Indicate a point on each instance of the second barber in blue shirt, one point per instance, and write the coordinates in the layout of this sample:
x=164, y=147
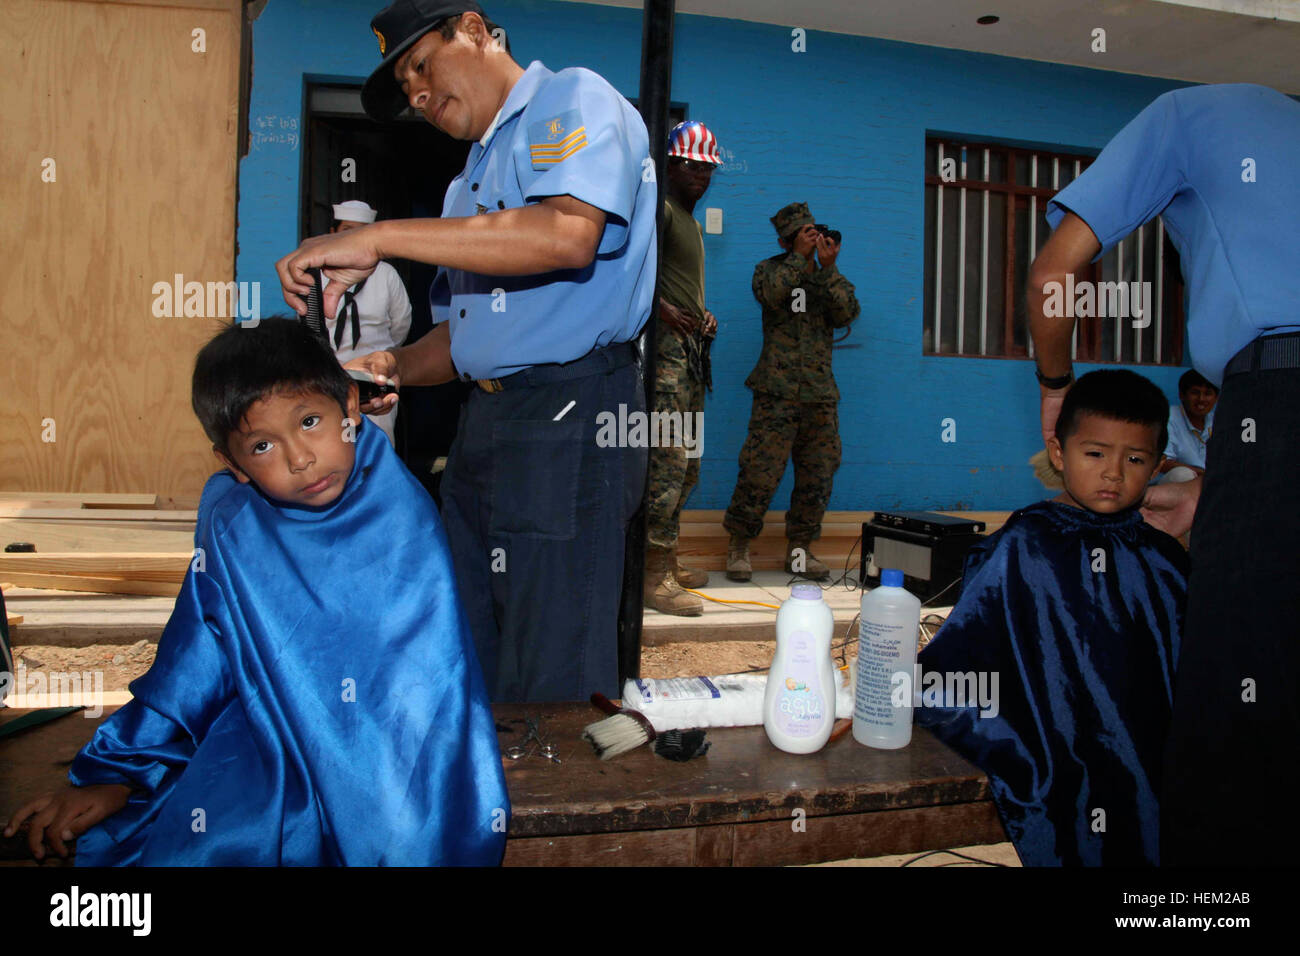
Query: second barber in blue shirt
x=547, y=256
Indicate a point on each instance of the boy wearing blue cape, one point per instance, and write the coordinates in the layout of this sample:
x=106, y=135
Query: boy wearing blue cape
x=1076, y=604
x=316, y=699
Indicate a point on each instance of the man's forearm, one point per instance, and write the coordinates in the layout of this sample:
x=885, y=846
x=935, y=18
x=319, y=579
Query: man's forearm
x=1052, y=336
x=1068, y=251
x=529, y=240
x=427, y=361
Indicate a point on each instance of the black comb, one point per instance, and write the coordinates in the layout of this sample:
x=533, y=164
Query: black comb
x=314, y=320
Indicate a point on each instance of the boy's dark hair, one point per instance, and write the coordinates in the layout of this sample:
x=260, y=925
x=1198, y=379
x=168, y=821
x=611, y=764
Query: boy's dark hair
x=1117, y=394
x=1192, y=378
x=244, y=363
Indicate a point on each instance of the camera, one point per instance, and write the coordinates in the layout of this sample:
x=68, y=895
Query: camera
x=832, y=234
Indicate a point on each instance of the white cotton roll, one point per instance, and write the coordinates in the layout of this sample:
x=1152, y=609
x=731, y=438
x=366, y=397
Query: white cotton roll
x=732, y=700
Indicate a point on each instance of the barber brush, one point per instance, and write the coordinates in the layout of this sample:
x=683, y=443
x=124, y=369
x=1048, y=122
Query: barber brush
x=1046, y=472
x=625, y=730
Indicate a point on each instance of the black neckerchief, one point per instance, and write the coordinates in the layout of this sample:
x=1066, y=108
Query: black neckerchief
x=348, y=312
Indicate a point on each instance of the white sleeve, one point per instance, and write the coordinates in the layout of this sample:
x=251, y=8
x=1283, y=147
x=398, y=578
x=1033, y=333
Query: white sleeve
x=399, y=308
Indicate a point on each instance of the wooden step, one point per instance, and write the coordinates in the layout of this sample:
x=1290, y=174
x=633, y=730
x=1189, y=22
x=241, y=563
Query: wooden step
x=76, y=499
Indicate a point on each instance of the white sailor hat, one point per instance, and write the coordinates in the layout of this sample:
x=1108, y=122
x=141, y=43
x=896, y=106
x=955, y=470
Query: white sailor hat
x=354, y=210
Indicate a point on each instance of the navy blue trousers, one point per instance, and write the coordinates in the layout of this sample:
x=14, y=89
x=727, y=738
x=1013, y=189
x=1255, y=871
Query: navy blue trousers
x=536, y=513
x=1231, y=765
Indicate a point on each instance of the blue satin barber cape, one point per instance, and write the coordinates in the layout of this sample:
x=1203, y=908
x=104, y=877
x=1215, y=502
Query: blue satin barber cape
x=1080, y=617
x=316, y=699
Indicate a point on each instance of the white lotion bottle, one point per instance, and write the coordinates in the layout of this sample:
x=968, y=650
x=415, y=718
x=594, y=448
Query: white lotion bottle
x=799, y=701
x=882, y=700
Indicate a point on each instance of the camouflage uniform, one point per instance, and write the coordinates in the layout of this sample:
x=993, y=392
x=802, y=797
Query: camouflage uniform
x=673, y=475
x=681, y=374
x=795, y=412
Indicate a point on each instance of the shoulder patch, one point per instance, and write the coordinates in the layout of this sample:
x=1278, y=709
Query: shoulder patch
x=556, y=138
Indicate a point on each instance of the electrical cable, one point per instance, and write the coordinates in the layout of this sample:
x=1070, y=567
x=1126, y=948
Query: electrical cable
x=963, y=856
x=774, y=607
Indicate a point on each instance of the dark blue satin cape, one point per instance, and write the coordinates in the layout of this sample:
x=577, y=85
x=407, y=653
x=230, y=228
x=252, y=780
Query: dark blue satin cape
x=316, y=699
x=1085, y=662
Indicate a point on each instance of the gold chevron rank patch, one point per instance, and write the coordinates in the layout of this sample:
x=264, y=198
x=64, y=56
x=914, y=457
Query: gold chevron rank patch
x=556, y=139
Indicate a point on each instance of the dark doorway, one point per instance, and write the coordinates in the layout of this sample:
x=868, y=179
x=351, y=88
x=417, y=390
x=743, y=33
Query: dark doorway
x=402, y=169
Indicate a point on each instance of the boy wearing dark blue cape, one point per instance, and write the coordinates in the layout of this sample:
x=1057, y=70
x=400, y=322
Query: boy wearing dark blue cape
x=316, y=699
x=1076, y=604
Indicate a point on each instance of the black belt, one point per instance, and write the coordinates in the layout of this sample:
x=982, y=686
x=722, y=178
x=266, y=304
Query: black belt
x=597, y=360
x=1265, y=353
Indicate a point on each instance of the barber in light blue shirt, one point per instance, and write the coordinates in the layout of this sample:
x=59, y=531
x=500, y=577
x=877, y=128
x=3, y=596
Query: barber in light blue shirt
x=558, y=134
x=547, y=258
x=1229, y=204
x=1221, y=165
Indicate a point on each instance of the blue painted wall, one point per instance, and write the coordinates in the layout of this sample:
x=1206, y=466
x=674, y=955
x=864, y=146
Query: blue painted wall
x=841, y=126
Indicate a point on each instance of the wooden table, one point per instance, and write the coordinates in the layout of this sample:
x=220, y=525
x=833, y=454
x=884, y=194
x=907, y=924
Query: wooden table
x=736, y=806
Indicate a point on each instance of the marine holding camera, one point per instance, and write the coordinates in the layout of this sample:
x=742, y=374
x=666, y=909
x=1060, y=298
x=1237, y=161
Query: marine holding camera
x=804, y=299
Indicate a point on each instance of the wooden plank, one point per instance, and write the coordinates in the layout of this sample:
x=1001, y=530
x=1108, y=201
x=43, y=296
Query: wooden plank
x=71, y=619
x=76, y=499
x=83, y=635
x=819, y=839
x=70, y=583
x=60, y=537
x=849, y=836
x=13, y=619
x=643, y=848
x=96, y=515
x=127, y=565
x=715, y=846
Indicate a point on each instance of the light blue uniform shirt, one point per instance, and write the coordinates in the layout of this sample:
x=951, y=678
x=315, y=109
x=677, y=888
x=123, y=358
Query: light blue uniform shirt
x=1186, y=444
x=558, y=134
x=1190, y=156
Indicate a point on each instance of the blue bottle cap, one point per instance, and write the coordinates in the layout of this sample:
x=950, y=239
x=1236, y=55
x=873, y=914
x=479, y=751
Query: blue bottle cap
x=891, y=578
x=806, y=592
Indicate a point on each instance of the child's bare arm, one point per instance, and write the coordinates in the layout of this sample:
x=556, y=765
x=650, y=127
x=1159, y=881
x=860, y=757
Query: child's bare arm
x=65, y=815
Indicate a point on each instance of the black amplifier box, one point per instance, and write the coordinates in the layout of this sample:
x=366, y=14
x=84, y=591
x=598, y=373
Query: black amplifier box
x=930, y=549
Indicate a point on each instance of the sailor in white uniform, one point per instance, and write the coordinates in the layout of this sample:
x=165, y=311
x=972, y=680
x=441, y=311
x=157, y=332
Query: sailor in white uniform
x=374, y=314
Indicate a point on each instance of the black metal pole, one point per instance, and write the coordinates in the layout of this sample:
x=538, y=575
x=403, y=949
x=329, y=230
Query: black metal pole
x=656, y=85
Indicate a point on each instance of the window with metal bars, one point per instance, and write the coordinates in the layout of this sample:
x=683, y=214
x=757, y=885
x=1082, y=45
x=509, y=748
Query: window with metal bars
x=985, y=206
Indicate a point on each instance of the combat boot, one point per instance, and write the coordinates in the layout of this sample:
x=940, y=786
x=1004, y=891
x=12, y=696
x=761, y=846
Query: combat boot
x=812, y=569
x=738, y=566
x=687, y=577
x=662, y=592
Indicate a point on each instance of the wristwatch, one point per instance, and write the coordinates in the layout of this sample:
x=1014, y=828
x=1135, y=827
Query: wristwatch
x=1053, y=383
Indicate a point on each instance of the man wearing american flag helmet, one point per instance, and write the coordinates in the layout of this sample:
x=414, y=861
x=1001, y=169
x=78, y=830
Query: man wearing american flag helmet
x=683, y=336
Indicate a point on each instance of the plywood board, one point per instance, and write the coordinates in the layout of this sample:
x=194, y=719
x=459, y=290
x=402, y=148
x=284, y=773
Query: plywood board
x=143, y=133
